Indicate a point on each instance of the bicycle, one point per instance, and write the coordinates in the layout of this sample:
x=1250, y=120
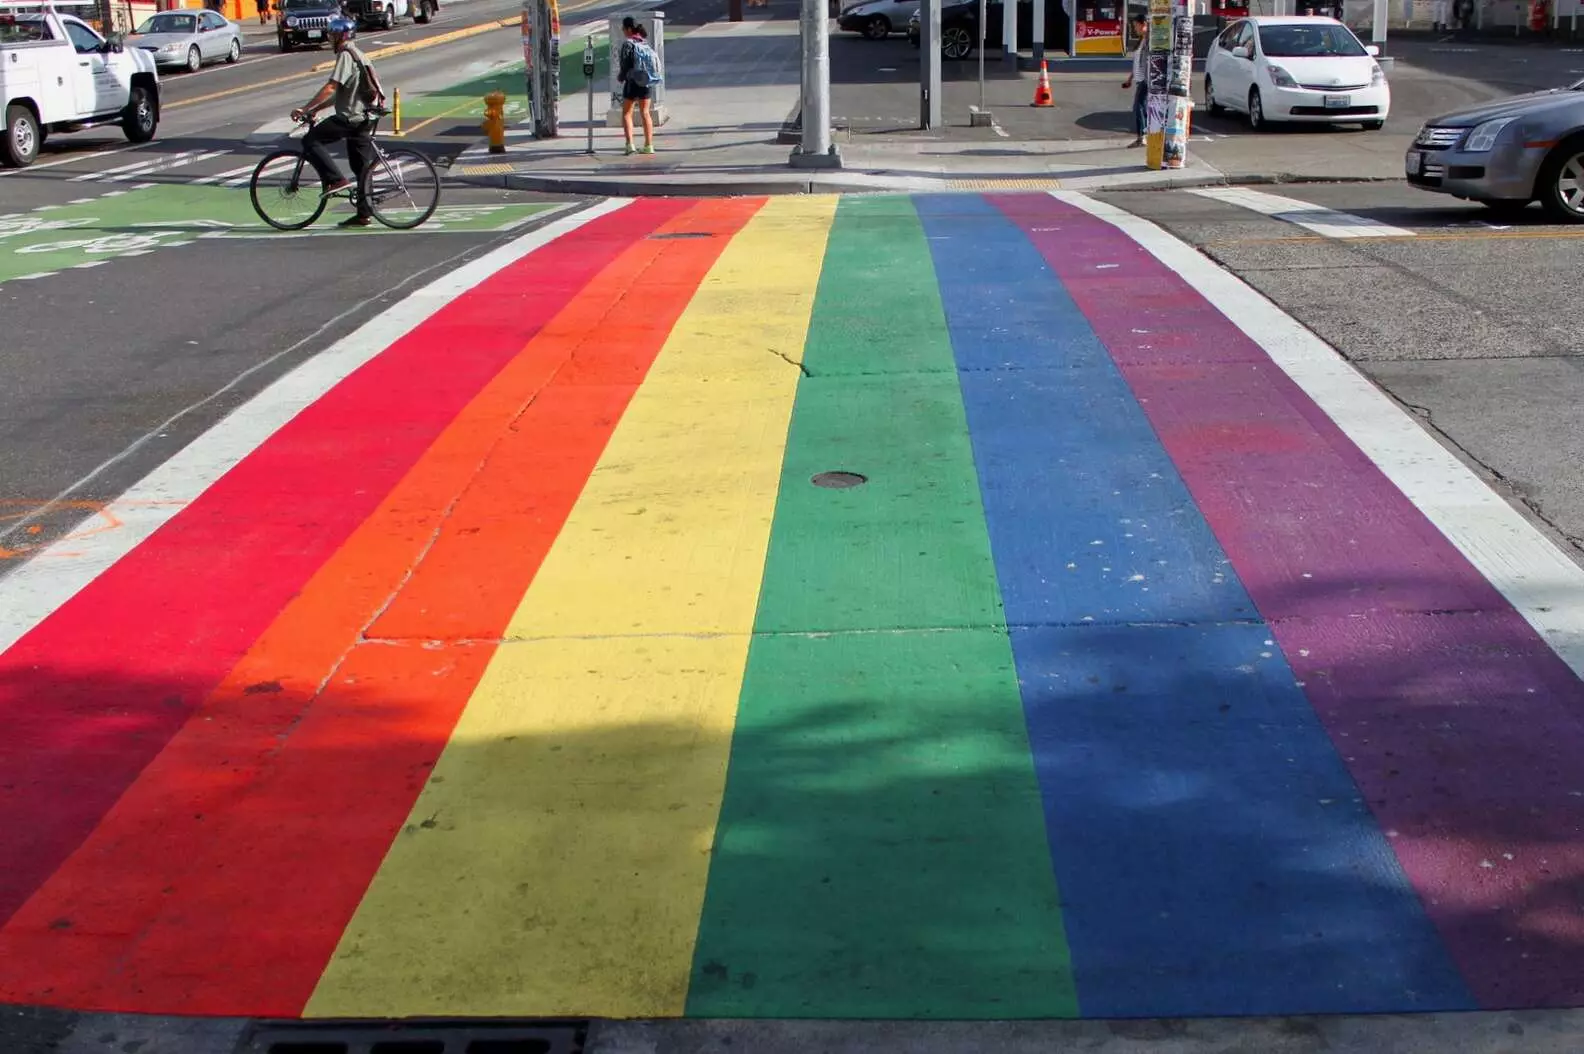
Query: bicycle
x=401, y=186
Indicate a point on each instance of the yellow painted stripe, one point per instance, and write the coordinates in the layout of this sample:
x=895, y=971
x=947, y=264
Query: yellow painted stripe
x=555, y=862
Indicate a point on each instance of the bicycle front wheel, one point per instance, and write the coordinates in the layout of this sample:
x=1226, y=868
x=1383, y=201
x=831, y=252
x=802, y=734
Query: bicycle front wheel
x=402, y=188
x=286, y=192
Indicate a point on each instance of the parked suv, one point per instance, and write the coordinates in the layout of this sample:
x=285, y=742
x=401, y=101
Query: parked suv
x=304, y=23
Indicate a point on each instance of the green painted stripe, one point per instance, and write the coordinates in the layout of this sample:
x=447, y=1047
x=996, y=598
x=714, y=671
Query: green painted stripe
x=169, y=216
x=881, y=849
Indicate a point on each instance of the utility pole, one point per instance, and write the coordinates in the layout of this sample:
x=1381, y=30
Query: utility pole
x=817, y=150
x=930, y=65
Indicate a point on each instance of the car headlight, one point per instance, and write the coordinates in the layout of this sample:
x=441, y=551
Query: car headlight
x=173, y=48
x=1281, y=78
x=1484, y=136
x=1377, y=76
x=291, y=21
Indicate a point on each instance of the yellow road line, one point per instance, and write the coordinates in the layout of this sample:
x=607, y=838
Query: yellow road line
x=416, y=45
x=429, y=42
x=555, y=862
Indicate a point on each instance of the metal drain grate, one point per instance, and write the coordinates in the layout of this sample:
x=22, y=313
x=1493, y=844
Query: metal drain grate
x=674, y=235
x=543, y=1037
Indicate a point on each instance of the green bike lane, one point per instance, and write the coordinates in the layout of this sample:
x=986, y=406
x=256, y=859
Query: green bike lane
x=138, y=222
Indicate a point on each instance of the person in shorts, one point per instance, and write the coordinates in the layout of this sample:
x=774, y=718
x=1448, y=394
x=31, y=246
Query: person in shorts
x=637, y=86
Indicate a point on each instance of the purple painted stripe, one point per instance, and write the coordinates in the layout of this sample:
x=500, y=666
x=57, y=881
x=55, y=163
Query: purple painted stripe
x=1463, y=730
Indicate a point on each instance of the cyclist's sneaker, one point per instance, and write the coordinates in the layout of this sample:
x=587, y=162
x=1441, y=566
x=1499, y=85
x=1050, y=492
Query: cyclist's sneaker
x=355, y=221
x=646, y=150
x=630, y=150
x=338, y=186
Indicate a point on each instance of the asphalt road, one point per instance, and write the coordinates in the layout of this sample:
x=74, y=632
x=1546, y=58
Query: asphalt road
x=1471, y=323
x=141, y=300
x=875, y=91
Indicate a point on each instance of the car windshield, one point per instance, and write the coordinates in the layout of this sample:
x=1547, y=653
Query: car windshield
x=307, y=3
x=1317, y=41
x=169, y=23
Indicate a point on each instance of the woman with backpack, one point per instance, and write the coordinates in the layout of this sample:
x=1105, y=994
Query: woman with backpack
x=639, y=73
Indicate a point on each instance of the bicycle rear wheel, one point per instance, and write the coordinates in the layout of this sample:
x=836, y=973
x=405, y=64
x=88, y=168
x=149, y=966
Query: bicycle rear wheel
x=286, y=191
x=402, y=188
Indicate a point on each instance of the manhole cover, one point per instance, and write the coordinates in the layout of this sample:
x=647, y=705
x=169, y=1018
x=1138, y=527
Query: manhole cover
x=673, y=235
x=839, y=480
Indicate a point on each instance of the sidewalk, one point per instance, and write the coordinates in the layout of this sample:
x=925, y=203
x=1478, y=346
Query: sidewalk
x=732, y=88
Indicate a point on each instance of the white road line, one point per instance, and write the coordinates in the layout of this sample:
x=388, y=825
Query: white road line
x=1317, y=218
x=246, y=172
x=36, y=589
x=1536, y=577
x=86, y=176
x=35, y=274
x=182, y=160
x=68, y=159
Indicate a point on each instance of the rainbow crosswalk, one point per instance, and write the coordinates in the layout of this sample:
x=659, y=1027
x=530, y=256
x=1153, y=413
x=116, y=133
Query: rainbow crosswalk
x=523, y=672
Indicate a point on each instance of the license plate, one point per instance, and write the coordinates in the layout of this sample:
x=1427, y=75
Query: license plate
x=1338, y=102
x=1413, y=162
x=315, y=34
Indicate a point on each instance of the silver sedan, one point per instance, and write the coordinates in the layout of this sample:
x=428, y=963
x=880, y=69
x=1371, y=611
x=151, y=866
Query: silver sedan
x=188, y=39
x=1508, y=153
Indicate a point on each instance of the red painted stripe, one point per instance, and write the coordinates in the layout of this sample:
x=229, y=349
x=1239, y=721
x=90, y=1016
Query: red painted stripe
x=222, y=881
x=1461, y=727
x=95, y=691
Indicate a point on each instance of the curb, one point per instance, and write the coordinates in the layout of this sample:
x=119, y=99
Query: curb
x=858, y=181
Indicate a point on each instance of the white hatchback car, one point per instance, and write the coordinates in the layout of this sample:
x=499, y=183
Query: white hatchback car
x=1304, y=68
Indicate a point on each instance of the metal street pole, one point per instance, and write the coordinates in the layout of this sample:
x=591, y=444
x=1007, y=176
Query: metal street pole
x=930, y=65
x=1378, y=26
x=817, y=150
x=981, y=54
x=978, y=116
x=588, y=79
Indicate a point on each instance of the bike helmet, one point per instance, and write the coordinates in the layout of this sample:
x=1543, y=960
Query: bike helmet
x=341, y=24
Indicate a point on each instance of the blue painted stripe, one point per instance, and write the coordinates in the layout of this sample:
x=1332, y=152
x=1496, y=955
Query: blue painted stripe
x=1212, y=853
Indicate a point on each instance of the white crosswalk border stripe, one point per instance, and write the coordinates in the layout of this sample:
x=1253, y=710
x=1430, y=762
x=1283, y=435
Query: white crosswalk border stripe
x=1330, y=223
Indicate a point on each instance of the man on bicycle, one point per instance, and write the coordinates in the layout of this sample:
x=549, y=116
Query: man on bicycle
x=353, y=89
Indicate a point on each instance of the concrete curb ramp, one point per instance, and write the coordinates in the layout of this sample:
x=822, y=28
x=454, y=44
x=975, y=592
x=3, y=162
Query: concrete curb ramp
x=42, y=1031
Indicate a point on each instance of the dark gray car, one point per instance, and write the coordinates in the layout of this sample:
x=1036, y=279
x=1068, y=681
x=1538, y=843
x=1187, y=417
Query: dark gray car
x=1507, y=153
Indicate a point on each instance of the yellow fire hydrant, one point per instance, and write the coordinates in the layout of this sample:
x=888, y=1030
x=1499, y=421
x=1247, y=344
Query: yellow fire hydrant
x=495, y=121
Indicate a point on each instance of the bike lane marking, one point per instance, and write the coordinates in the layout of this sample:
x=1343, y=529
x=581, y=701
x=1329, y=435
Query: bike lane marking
x=141, y=221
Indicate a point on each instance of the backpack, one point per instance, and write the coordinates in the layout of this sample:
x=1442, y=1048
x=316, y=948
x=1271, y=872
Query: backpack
x=645, y=66
x=365, y=93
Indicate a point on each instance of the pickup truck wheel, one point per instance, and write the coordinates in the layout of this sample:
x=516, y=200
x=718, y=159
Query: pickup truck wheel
x=20, y=144
x=141, y=116
x=194, y=60
x=388, y=20
x=422, y=16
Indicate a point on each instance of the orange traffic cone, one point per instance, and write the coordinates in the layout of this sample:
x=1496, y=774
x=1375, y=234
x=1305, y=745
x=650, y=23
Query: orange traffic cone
x=1042, y=92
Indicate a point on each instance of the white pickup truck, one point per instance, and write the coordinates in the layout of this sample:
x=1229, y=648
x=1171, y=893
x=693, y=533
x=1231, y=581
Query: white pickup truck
x=58, y=75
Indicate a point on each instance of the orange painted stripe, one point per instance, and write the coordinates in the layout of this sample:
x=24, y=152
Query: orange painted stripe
x=221, y=882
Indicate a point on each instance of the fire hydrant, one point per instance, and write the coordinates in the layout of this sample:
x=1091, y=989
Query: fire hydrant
x=495, y=121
